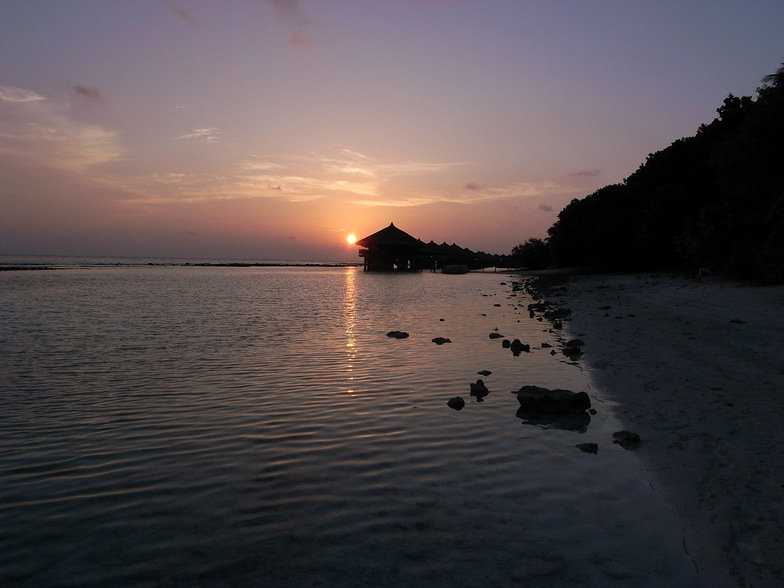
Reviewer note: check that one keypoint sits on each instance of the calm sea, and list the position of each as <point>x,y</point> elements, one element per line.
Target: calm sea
<point>221,426</point>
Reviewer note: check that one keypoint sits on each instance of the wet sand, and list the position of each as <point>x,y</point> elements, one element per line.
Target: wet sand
<point>697,370</point>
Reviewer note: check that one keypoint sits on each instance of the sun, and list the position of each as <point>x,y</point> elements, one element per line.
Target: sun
<point>351,239</point>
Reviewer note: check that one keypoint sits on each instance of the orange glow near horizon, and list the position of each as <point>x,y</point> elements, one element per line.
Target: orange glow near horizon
<point>351,239</point>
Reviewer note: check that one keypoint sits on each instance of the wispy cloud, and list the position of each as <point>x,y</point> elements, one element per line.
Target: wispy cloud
<point>179,10</point>
<point>404,202</point>
<point>183,14</point>
<point>91,94</point>
<point>285,8</point>
<point>202,135</point>
<point>345,176</point>
<point>10,94</point>
<point>348,172</point>
<point>40,131</point>
<point>590,173</point>
<point>300,39</point>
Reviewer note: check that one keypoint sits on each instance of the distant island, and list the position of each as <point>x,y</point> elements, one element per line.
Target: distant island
<point>43,266</point>
<point>266,264</point>
<point>713,202</point>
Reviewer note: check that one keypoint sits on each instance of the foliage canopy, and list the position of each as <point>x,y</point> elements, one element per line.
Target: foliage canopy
<point>713,200</point>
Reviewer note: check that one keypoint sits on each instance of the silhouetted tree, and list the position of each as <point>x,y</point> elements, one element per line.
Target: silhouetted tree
<point>715,199</point>
<point>775,79</point>
<point>533,254</point>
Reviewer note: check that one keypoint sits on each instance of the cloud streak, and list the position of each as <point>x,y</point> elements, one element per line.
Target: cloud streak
<point>202,135</point>
<point>39,131</point>
<point>20,95</point>
<point>588,173</point>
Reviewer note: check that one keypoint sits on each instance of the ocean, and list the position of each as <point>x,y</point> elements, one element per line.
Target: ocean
<point>182,425</point>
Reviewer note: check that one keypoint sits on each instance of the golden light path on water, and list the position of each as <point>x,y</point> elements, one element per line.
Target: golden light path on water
<point>350,316</point>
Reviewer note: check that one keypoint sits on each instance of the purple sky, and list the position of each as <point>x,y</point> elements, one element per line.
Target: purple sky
<point>273,129</point>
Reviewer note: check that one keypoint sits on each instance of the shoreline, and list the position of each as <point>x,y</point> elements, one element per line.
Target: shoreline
<point>696,369</point>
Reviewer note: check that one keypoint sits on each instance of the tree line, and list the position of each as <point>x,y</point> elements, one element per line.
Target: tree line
<point>714,200</point>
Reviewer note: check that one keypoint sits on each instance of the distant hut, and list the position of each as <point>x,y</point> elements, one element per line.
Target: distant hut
<point>391,249</point>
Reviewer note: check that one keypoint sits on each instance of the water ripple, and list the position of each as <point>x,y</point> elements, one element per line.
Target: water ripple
<point>238,427</point>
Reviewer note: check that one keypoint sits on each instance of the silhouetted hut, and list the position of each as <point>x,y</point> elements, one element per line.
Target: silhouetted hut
<point>430,256</point>
<point>391,249</point>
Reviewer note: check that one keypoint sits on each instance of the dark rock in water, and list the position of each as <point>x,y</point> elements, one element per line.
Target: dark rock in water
<point>441,340</point>
<point>506,343</point>
<point>572,352</point>
<point>575,343</point>
<point>546,345</point>
<point>557,325</point>
<point>626,439</point>
<point>442,320</point>
<point>535,400</point>
<point>484,372</point>
<point>456,403</point>
<point>496,335</point>
<point>518,347</point>
<point>397,334</point>
<point>479,390</point>
<point>588,447</point>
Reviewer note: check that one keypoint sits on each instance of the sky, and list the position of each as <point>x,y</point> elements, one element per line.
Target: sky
<point>274,129</point>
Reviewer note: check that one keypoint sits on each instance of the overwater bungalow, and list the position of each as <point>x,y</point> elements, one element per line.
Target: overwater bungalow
<point>392,249</point>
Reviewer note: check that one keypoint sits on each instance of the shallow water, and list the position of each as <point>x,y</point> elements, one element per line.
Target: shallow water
<point>188,426</point>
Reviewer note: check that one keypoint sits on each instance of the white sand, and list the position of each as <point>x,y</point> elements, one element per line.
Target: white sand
<point>706,395</point>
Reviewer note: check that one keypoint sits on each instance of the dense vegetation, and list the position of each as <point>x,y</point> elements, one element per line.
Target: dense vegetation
<point>714,200</point>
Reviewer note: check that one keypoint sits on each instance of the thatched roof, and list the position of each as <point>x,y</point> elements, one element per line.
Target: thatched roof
<point>390,236</point>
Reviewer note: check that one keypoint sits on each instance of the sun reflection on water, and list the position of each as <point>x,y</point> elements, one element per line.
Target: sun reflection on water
<point>350,317</point>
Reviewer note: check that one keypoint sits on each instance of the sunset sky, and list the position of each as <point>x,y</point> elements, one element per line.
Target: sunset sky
<point>262,129</point>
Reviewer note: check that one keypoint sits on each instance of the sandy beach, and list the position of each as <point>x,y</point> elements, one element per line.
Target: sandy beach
<point>696,368</point>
